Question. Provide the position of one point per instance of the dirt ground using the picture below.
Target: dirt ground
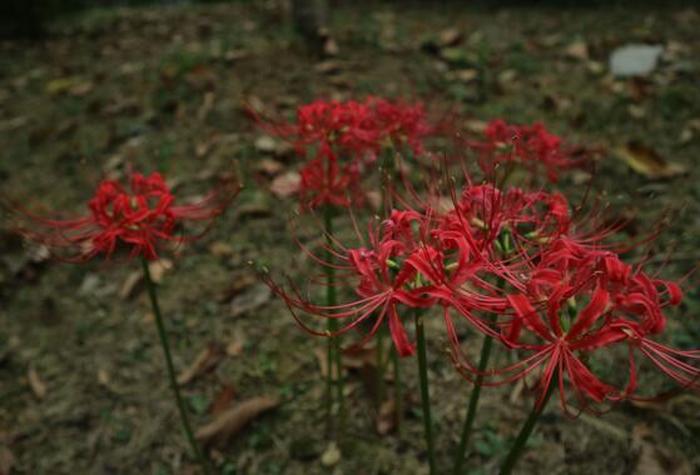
(82, 385)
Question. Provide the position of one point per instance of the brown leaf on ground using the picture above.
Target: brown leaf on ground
(331, 456)
(249, 300)
(321, 354)
(654, 459)
(36, 384)
(7, 461)
(231, 421)
(133, 284)
(647, 161)
(285, 185)
(577, 50)
(265, 144)
(450, 37)
(223, 399)
(235, 346)
(269, 167)
(206, 361)
(240, 282)
(386, 417)
(221, 249)
(159, 268)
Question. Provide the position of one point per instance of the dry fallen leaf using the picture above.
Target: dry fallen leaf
(221, 249)
(285, 185)
(205, 362)
(269, 167)
(249, 300)
(386, 418)
(159, 268)
(577, 50)
(653, 458)
(647, 161)
(321, 354)
(36, 384)
(231, 421)
(240, 282)
(223, 399)
(132, 285)
(331, 456)
(235, 346)
(450, 37)
(7, 461)
(265, 144)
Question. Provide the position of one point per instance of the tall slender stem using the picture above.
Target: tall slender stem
(424, 390)
(473, 402)
(398, 395)
(380, 367)
(151, 288)
(334, 357)
(527, 428)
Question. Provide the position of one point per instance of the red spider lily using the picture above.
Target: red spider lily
(530, 145)
(576, 302)
(344, 139)
(139, 216)
(324, 182)
(403, 123)
(382, 278)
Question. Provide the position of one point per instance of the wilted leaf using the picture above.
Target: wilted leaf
(285, 185)
(207, 105)
(159, 268)
(221, 249)
(239, 283)
(577, 50)
(223, 400)
(61, 85)
(7, 461)
(450, 37)
(475, 126)
(386, 418)
(328, 67)
(646, 161)
(331, 456)
(653, 458)
(205, 362)
(265, 144)
(249, 300)
(269, 167)
(132, 285)
(231, 421)
(321, 354)
(36, 384)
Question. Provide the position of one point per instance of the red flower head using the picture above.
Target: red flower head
(401, 122)
(344, 139)
(532, 146)
(139, 217)
(381, 275)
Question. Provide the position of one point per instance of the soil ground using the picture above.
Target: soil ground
(82, 387)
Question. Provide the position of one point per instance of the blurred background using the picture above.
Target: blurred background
(90, 88)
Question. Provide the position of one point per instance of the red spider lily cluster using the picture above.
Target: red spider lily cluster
(140, 217)
(344, 139)
(531, 146)
(515, 266)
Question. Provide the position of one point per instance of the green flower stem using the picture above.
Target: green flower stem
(527, 428)
(473, 402)
(150, 286)
(334, 356)
(398, 394)
(380, 367)
(424, 390)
